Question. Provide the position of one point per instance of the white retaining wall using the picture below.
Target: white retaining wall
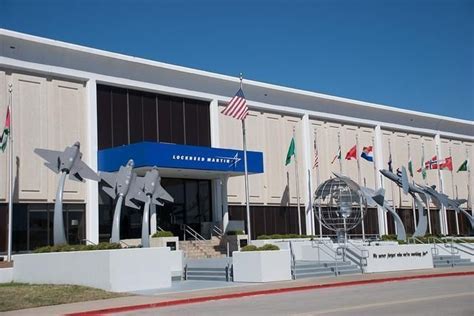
(6, 275)
(118, 270)
(398, 258)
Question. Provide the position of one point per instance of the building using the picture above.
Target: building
(112, 103)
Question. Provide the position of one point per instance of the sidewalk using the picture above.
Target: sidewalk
(130, 303)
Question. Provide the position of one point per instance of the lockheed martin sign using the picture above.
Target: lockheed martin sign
(163, 155)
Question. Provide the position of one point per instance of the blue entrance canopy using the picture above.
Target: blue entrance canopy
(173, 156)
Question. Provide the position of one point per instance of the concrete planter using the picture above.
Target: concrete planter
(165, 242)
(262, 266)
(120, 270)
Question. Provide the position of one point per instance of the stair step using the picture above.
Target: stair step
(206, 278)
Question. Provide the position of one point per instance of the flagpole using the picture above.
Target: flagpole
(297, 185)
(452, 188)
(318, 181)
(339, 151)
(247, 199)
(359, 180)
(10, 178)
(469, 197)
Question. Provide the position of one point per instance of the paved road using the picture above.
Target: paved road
(443, 296)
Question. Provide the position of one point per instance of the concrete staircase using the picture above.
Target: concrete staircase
(200, 249)
(313, 269)
(211, 269)
(444, 261)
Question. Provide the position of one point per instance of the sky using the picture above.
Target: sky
(411, 54)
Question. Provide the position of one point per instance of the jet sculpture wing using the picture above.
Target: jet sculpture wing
(404, 180)
(379, 197)
(51, 157)
(109, 178)
(135, 192)
(161, 194)
(81, 171)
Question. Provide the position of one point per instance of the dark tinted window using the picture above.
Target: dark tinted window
(204, 124)
(192, 127)
(164, 119)
(150, 116)
(129, 116)
(177, 121)
(119, 117)
(135, 119)
(104, 117)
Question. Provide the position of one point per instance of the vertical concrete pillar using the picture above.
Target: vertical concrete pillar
(90, 153)
(225, 207)
(378, 155)
(307, 161)
(214, 122)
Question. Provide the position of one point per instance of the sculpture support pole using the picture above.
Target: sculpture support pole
(153, 219)
(116, 222)
(146, 224)
(59, 234)
(401, 233)
(420, 230)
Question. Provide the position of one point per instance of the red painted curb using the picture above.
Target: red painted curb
(263, 292)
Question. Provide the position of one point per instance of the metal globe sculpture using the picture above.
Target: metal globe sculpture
(338, 207)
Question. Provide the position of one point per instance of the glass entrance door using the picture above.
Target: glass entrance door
(192, 205)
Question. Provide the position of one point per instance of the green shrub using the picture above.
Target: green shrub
(235, 232)
(389, 237)
(163, 233)
(265, 247)
(68, 248)
(249, 248)
(285, 236)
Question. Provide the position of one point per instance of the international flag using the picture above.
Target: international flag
(352, 153)
(237, 106)
(337, 156)
(291, 151)
(432, 164)
(316, 155)
(410, 167)
(390, 168)
(6, 132)
(367, 153)
(463, 166)
(446, 164)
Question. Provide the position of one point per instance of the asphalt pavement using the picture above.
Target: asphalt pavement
(440, 296)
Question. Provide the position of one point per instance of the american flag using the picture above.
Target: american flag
(237, 106)
(316, 158)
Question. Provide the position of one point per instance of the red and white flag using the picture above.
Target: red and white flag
(352, 153)
(446, 164)
(237, 106)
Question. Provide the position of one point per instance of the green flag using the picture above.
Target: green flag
(463, 166)
(291, 151)
(410, 167)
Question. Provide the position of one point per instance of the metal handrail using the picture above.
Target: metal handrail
(414, 240)
(123, 242)
(160, 229)
(89, 241)
(217, 231)
(360, 258)
(334, 255)
(458, 246)
(436, 244)
(192, 232)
